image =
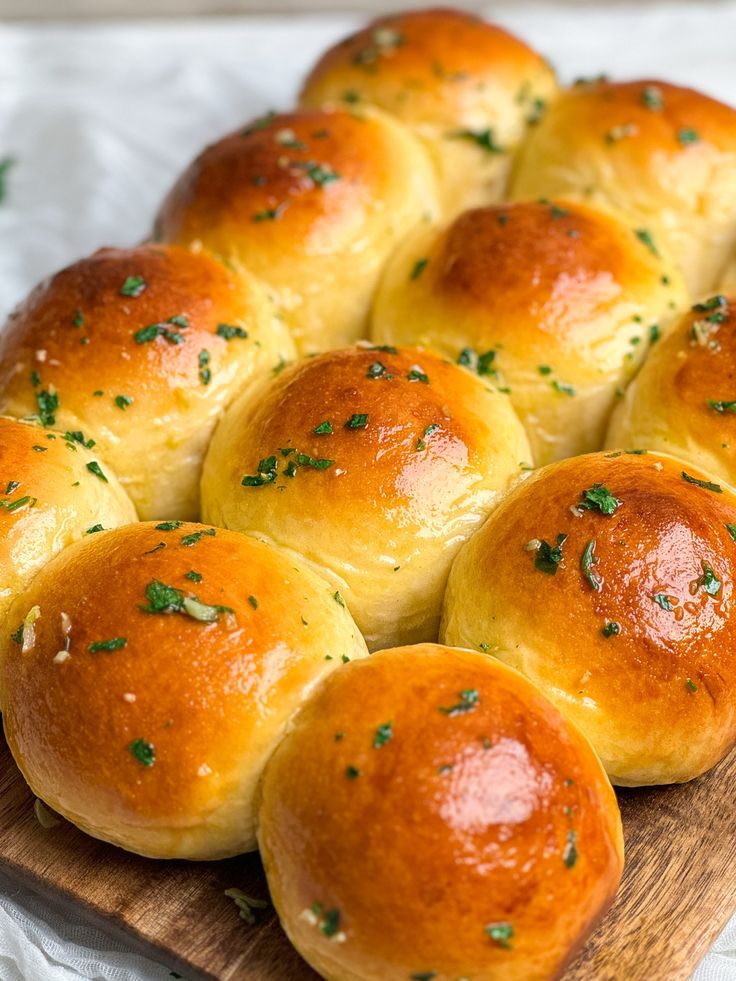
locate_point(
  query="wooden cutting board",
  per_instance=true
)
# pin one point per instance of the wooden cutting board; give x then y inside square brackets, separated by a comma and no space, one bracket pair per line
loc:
[679,890]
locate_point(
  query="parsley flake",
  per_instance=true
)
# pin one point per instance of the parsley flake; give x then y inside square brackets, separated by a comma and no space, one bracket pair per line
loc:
[133,286]
[143,751]
[114,644]
[383,734]
[469,699]
[598,497]
[549,557]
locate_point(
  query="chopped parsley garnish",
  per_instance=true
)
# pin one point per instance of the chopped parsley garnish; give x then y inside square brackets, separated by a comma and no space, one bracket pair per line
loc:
[267,473]
[48,404]
[687,135]
[357,421]
[469,699]
[709,581]
[77,436]
[705,484]
[570,855]
[719,406]
[42,449]
[263,122]
[352,772]
[330,924]
[205,372]
[483,138]
[169,525]
[500,933]
[78,319]
[598,497]
[418,268]
[193,576]
[691,686]
[383,734]
[94,529]
[482,364]
[246,904]
[143,751]
[324,429]
[416,374]
[163,329]
[229,333]
[133,286]
[562,388]
[544,369]
[309,461]
[714,303]
[663,600]
[611,629]
[12,486]
[96,469]
[19,503]
[188,540]
[123,401]
[114,644]
[338,599]
[731,530]
[654,333]
[253,602]
[652,98]
[269,214]
[377,370]
[320,174]
[162,598]
[548,556]
[645,237]
[587,561]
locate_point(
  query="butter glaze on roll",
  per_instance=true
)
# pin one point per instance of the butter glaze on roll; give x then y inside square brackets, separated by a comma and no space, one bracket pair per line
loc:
[374,466]
[684,399]
[553,301]
[311,202]
[468,89]
[141,349]
[49,498]
[431,815]
[159,670]
[662,154]
[628,623]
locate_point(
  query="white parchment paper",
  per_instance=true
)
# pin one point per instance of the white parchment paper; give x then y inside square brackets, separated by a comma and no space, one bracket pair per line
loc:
[101,118]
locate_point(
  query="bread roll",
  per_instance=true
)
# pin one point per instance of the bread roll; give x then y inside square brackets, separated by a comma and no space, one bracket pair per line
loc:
[373,465]
[431,815]
[311,202]
[141,349]
[608,579]
[552,301]
[684,399]
[154,671]
[53,491]
[468,89]
[664,155]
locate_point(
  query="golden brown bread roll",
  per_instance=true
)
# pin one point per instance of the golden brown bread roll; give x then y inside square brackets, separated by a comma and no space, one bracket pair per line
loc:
[53,491]
[662,154]
[431,815]
[555,302]
[608,580]
[373,465]
[150,671]
[312,203]
[141,349]
[684,399]
[468,90]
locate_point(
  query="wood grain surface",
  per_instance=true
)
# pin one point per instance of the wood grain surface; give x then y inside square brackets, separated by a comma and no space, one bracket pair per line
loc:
[678,890]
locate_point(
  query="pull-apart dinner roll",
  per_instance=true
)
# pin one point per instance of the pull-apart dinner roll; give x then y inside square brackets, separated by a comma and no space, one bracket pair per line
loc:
[373,465]
[468,89]
[608,580]
[53,491]
[664,155]
[140,349]
[311,202]
[553,302]
[432,815]
[150,671]
[684,399]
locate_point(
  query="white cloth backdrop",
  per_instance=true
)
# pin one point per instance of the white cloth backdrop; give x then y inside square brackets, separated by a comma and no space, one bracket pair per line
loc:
[100,119]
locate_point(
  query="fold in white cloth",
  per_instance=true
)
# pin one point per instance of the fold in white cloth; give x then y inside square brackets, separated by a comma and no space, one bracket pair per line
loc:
[99,119]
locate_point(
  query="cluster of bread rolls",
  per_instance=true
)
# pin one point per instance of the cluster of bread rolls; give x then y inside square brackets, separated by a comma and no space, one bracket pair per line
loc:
[358,328]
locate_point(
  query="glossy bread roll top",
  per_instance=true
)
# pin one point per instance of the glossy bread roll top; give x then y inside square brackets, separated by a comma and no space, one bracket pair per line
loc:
[431,815]
[467,88]
[551,301]
[311,202]
[373,465]
[53,491]
[662,154]
[609,580]
[150,671]
[141,349]
[684,399]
